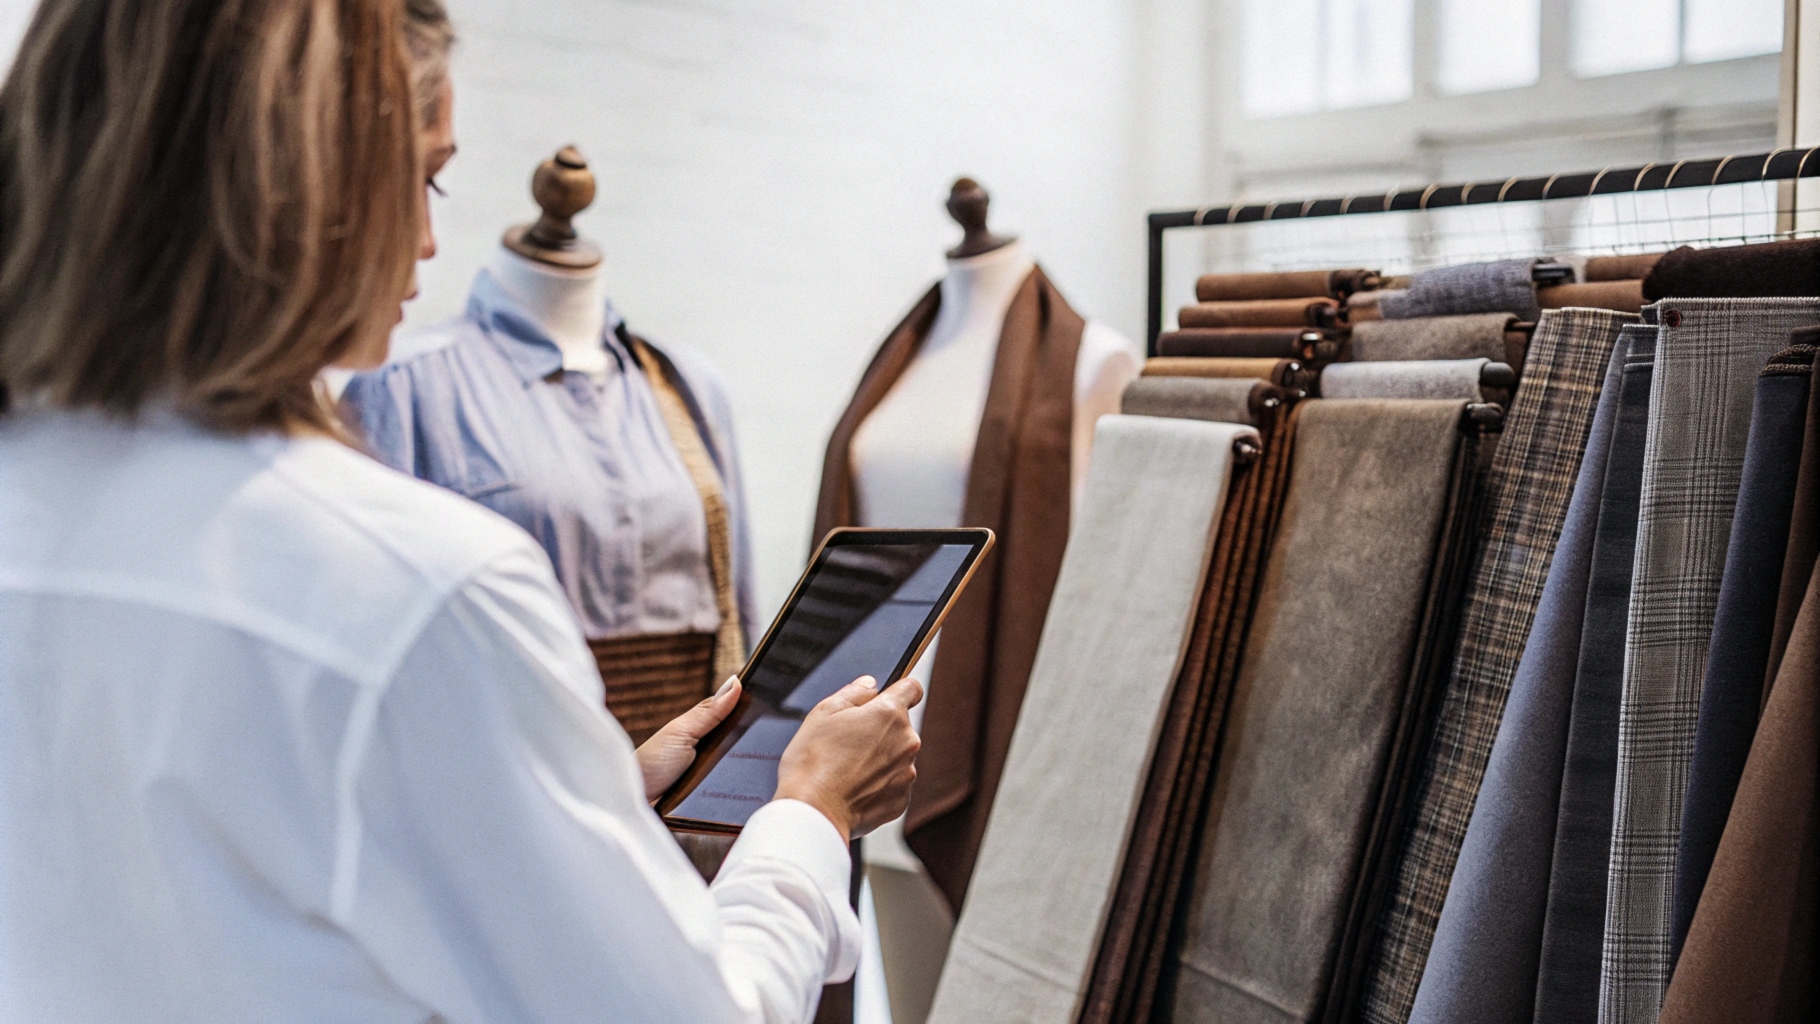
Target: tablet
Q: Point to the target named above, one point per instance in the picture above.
(867, 605)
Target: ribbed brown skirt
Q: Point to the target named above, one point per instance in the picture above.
(653, 677)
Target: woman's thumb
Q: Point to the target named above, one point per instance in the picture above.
(851, 695)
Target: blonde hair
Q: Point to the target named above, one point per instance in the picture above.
(203, 203)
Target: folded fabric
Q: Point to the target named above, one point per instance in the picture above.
(1428, 378)
(1771, 269)
(1803, 537)
(1567, 977)
(1732, 694)
(1623, 296)
(1309, 312)
(1243, 342)
(1135, 946)
(1130, 581)
(1215, 399)
(1503, 286)
(1303, 774)
(1708, 355)
(1335, 284)
(1473, 336)
(1751, 953)
(1277, 371)
(1482, 967)
(1532, 475)
(1619, 268)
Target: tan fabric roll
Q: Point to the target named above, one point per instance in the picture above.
(1302, 312)
(1623, 296)
(1620, 268)
(1276, 371)
(653, 677)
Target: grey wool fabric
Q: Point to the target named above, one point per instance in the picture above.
(1482, 967)
(1425, 378)
(1501, 286)
(1111, 647)
(1708, 356)
(1567, 981)
(1221, 400)
(1527, 492)
(1471, 336)
(1315, 712)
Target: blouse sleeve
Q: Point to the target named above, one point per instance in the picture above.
(379, 406)
(499, 861)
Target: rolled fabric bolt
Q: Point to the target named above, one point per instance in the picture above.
(1472, 336)
(1306, 312)
(1432, 378)
(1242, 342)
(1619, 268)
(1230, 400)
(1284, 285)
(1499, 286)
(1276, 371)
(1773, 269)
(1623, 296)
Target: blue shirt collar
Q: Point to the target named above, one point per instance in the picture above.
(524, 342)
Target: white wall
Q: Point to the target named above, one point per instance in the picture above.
(772, 175)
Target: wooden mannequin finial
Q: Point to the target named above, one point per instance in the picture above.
(563, 187)
(967, 204)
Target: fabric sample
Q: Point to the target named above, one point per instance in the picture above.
(1309, 312)
(1431, 378)
(1567, 983)
(1242, 342)
(1804, 529)
(1502, 286)
(1751, 953)
(1195, 398)
(1336, 284)
(1532, 475)
(1619, 268)
(1708, 355)
(1282, 372)
(1136, 561)
(1732, 694)
(1482, 967)
(1623, 296)
(1771, 269)
(1474, 336)
(1018, 486)
(1302, 768)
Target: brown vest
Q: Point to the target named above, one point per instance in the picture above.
(1019, 487)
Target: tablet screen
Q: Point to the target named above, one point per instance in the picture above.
(863, 608)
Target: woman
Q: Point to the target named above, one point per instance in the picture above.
(284, 735)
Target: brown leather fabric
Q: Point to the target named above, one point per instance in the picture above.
(1750, 953)
(1018, 486)
(1303, 312)
(1244, 342)
(1623, 296)
(1336, 284)
(1133, 945)
(1804, 530)
(653, 677)
(1282, 372)
(1620, 268)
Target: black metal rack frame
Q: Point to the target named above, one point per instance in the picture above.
(1780, 165)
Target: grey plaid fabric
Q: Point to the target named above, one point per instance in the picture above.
(1707, 360)
(1505, 286)
(1527, 492)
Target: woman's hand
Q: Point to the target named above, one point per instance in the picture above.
(854, 758)
(671, 750)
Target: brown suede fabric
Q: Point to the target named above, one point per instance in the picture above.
(1244, 342)
(1135, 942)
(1304, 312)
(1018, 486)
(1623, 296)
(1620, 268)
(1750, 953)
(1336, 284)
(1765, 270)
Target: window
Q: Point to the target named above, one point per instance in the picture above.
(1307, 55)
(1615, 36)
(1489, 46)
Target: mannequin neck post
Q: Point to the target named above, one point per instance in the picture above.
(569, 304)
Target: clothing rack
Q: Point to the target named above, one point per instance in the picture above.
(1779, 165)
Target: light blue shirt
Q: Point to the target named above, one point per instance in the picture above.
(482, 406)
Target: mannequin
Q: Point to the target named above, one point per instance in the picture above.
(910, 461)
(614, 453)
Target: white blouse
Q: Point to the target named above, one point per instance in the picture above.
(287, 736)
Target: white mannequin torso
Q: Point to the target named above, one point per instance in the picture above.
(570, 305)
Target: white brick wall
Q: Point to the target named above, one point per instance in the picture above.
(772, 175)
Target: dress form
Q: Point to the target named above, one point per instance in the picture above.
(910, 459)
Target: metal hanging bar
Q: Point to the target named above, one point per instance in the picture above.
(1780, 165)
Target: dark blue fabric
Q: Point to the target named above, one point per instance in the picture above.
(1573, 931)
(1482, 966)
(1731, 695)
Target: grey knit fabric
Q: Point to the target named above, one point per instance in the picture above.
(1503, 286)
(1474, 335)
